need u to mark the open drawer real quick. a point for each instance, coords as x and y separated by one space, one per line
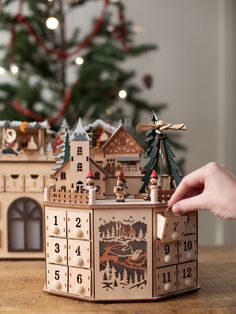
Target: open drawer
170 228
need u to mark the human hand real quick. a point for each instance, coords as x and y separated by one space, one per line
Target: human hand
210 188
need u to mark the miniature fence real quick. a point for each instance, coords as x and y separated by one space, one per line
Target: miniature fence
164 195
69 197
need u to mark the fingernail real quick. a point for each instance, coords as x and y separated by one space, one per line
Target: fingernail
176 208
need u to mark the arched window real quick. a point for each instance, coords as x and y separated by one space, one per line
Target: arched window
24 219
80 167
63 176
79 151
79 187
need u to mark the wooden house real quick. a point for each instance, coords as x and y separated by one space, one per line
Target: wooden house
25 165
104 250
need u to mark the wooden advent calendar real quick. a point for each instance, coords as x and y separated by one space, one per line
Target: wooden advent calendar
99 249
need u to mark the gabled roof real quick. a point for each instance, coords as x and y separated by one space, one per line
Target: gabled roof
79 133
90 159
99 167
100 124
121 127
59 169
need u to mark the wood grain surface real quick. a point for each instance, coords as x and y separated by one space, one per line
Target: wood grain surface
21 285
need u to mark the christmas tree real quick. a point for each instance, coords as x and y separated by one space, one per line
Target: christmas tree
152 153
62 152
36 61
159 151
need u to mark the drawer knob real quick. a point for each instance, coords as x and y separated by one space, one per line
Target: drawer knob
190 255
80 289
78 233
55 230
188 282
175 236
168 287
57 258
78 261
168 259
56 285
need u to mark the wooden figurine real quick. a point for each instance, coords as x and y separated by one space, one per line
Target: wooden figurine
152 183
90 181
25 165
102 248
120 190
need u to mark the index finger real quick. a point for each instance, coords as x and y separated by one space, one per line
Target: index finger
190 183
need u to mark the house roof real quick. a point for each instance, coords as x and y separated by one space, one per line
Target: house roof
79 134
115 133
59 169
100 124
99 167
90 159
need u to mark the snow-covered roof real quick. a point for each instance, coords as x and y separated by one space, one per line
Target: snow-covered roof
16 124
79 134
100 123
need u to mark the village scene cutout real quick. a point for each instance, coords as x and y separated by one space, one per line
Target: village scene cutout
123 253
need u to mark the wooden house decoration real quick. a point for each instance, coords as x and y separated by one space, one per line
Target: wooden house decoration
98 249
26 160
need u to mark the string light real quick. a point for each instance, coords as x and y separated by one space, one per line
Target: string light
2 71
122 94
79 60
14 69
138 29
52 23
110 28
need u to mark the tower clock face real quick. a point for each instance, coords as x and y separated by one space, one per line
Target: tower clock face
10 136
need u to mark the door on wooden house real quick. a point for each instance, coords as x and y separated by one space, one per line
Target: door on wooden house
79 187
24 226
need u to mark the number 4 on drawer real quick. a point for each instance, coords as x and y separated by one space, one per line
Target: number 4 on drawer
170 228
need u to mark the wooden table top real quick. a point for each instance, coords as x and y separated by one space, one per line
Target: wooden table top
21 284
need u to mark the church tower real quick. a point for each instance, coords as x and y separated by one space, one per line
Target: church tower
79 152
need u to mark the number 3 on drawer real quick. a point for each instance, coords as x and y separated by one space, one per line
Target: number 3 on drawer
170 228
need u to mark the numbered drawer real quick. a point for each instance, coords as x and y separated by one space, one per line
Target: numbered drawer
78 224
187 275
166 253
79 253
57 278
56 223
166 279
188 248
170 228
80 281
56 250
190 225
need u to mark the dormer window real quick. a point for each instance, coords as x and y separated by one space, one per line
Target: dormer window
63 176
79 151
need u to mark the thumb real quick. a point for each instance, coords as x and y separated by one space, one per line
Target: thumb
189 204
